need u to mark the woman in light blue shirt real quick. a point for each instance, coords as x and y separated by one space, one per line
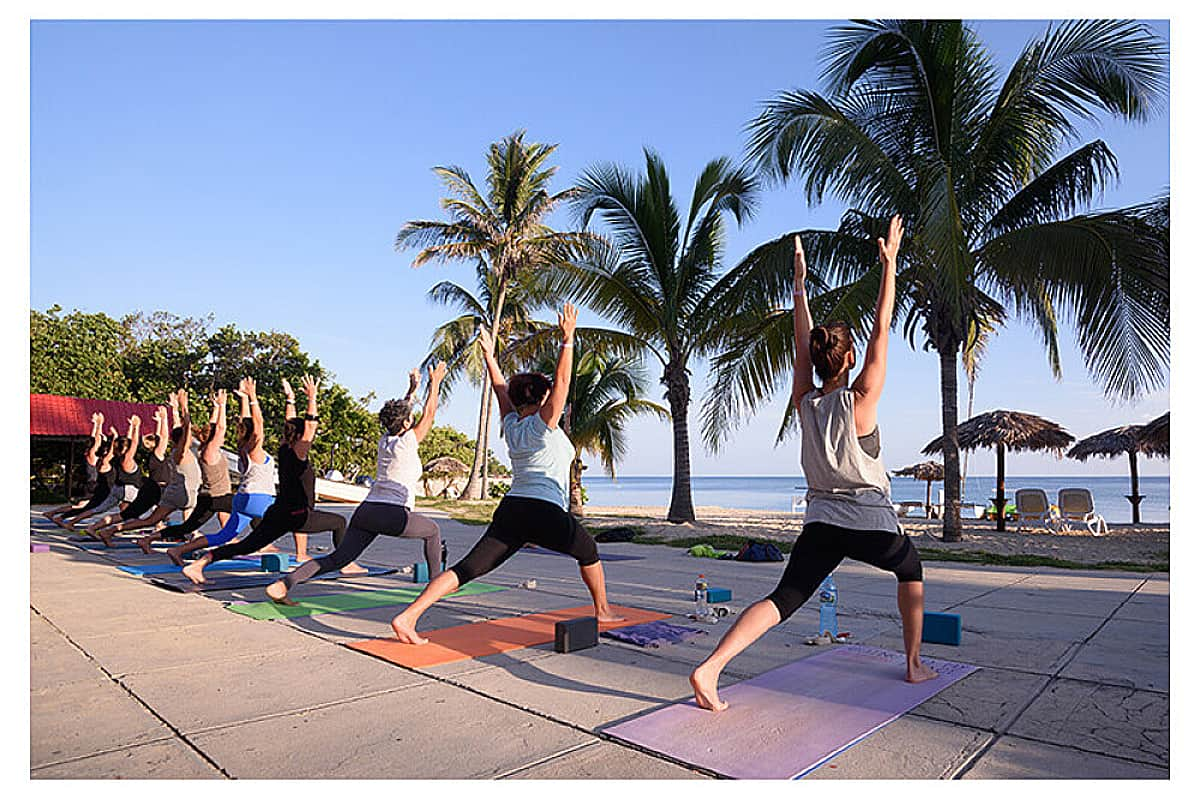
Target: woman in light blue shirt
534 511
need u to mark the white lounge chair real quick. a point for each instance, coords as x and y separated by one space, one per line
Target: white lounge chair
1077 505
799 501
1034 506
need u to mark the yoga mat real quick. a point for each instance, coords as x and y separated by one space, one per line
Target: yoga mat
603 555
484 638
335 603
87 542
230 582
790 720
237 564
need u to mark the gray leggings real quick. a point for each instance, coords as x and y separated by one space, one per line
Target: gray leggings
373 519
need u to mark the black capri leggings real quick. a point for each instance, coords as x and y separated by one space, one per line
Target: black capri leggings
523 520
278 522
148 495
206 506
820 548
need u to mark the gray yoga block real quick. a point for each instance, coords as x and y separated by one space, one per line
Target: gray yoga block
576 634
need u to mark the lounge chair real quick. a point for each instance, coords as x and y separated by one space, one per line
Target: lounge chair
1077 505
966 510
799 501
1034 506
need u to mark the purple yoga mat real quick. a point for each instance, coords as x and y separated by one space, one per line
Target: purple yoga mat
786 722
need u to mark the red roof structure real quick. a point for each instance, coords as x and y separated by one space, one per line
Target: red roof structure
71 417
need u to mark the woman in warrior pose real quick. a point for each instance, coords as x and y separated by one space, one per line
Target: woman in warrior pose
849 510
535 509
292 511
215 495
388 508
127 479
90 459
184 484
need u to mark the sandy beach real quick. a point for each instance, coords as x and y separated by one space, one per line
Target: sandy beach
1143 544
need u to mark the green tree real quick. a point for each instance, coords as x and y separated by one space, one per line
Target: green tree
655 279
446 440
917 120
76 355
502 231
162 352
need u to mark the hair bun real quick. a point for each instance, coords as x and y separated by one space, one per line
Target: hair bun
820 337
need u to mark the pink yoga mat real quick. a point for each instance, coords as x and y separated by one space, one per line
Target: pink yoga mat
786 722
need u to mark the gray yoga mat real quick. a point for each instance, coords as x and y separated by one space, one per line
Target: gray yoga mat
788 721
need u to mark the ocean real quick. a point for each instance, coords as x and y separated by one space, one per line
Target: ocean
775 493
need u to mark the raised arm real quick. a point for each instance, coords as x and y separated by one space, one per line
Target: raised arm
802 374
429 409
552 409
250 388
163 431
216 428
302 446
185 421
97 438
414 382
129 462
499 384
869 385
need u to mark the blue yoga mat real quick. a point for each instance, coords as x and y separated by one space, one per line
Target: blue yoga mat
239 564
230 582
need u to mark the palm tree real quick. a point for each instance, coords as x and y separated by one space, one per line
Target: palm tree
607 392
916 120
654 279
502 231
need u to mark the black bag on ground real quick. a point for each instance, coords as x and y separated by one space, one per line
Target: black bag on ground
759 552
616 534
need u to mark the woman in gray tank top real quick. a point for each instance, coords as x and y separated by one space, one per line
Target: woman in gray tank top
849 512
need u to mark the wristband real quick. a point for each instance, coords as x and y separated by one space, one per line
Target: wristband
311 417
566 345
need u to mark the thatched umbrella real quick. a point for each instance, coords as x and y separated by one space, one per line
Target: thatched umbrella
1152 439
929 471
445 467
1006 430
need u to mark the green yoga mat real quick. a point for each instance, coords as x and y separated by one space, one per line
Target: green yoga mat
335 603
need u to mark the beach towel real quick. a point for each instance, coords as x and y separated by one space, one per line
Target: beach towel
653 633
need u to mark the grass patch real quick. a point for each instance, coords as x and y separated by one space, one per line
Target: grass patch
476 512
994 559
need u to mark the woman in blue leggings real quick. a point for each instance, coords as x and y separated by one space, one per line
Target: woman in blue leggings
256 491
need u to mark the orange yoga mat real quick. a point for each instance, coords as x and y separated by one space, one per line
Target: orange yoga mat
490 637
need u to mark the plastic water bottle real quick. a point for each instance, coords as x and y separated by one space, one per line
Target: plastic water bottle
701 597
827 593
444 556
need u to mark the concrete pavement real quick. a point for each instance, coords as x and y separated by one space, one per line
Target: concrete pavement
128 680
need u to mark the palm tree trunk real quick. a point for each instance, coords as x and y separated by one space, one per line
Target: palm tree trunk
577 486
477 482
472 490
678 396
951 516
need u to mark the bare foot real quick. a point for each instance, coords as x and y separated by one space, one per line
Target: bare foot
194 571
278 593
144 544
704 683
406 633
176 558
920 673
106 536
354 568
609 618
300 558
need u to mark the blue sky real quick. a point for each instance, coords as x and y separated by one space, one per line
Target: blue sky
259 171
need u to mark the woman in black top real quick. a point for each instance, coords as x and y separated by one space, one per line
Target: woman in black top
292 511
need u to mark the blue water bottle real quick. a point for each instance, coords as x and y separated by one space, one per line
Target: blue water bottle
827 593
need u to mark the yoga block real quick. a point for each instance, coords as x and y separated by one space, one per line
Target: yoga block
942 628
720 595
273 563
420 572
576 634
38 547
